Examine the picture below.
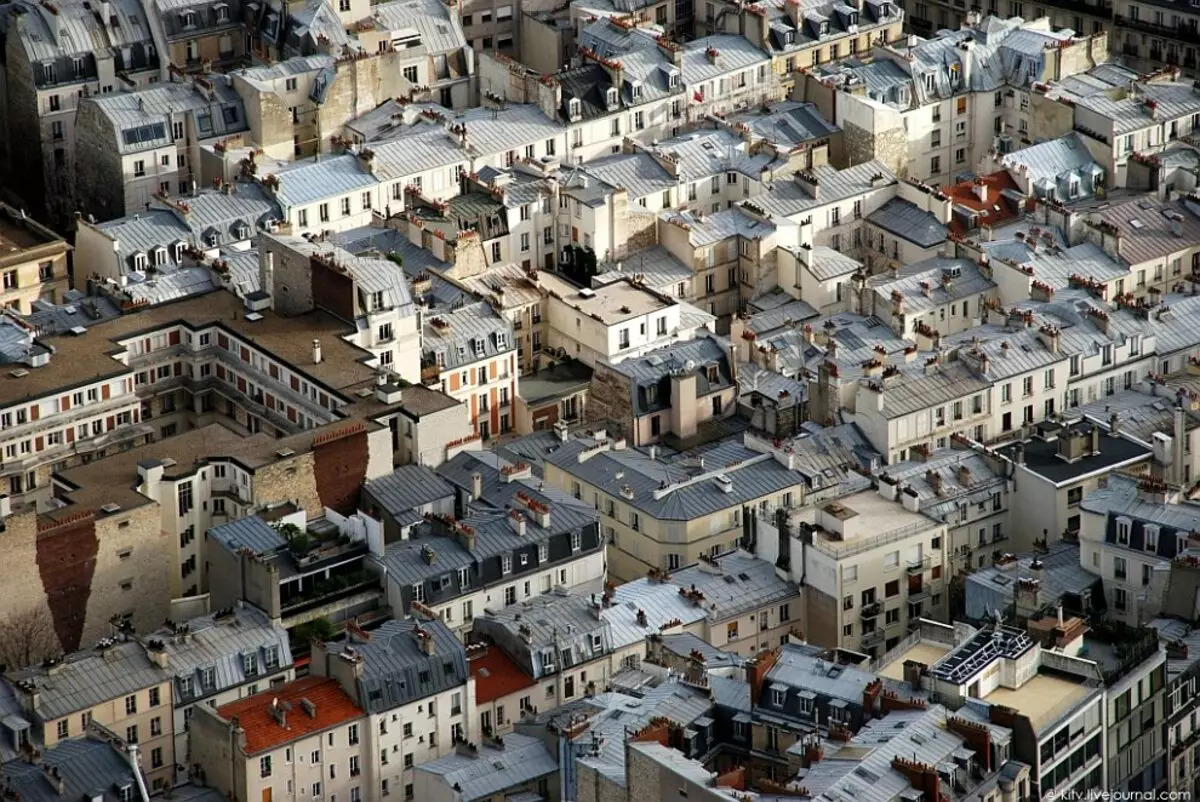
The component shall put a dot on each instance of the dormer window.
(1073, 187)
(673, 80)
(250, 663)
(212, 239)
(1150, 533)
(272, 657)
(501, 341)
(222, 12)
(479, 347)
(823, 28)
(242, 230)
(160, 256)
(139, 261)
(208, 676)
(852, 18)
(778, 695)
(611, 98)
(1123, 526)
(179, 246)
(573, 109)
(789, 37)
(635, 89)
(188, 19)
(930, 81)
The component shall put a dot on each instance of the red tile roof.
(496, 675)
(263, 731)
(964, 194)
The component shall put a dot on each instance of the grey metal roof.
(788, 124)
(1057, 165)
(305, 183)
(371, 275)
(1146, 230)
(248, 533)
(924, 284)
(993, 587)
(982, 481)
(1174, 101)
(660, 270)
(467, 334)
(72, 29)
(88, 678)
(685, 495)
(802, 667)
(408, 487)
(76, 310)
(142, 120)
(780, 389)
(638, 173)
(907, 220)
(1009, 352)
(89, 768)
(396, 669)
(686, 643)
(737, 583)
(220, 643)
(789, 199)
(915, 392)
(825, 263)
(708, 152)
(493, 771)
(1121, 497)
(710, 229)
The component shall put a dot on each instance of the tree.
(27, 638)
(321, 629)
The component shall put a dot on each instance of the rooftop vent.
(110, 508)
(253, 316)
(18, 373)
(284, 452)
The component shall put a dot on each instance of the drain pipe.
(132, 755)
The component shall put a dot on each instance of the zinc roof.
(1130, 113)
(1147, 233)
(437, 23)
(89, 678)
(905, 219)
(915, 392)
(924, 287)
(310, 182)
(407, 488)
(735, 584)
(251, 533)
(789, 199)
(489, 771)
(89, 769)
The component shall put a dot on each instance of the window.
(131, 734)
(1123, 531)
(935, 165)
(64, 727)
(506, 564)
(130, 704)
(264, 766)
(731, 630)
(155, 699)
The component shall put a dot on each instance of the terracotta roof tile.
(965, 195)
(496, 675)
(263, 732)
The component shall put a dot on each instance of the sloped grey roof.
(736, 584)
(396, 669)
(248, 533)
(906, 220)
(968, 282)
(1129, 114)
(88, 767)
(465, 327)
(493, 771)
(88, 678)
(221, 644)
(304, 183)
(408, 487)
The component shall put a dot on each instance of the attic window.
(930, 81)
(242, 230)
(611, 97)
(212, 238)
(501, 341)
(222, 12)
(160, 256)
(673, 80)
(636, 90)
(139, 261)
(573, 108)
(477, 344)
(789, 37)
(178, 251)
(188, 19)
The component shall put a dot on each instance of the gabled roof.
(89, 769)
(487, 771)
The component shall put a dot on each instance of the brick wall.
(340, 465)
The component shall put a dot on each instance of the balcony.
(919, 595)
(918, 566)
(1189, 34)
(871, 610)
(873, 638)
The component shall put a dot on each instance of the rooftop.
(485, 771)
(19, 232)
(84, 679)
(496, 675)
(1150, 228)
(988, 200)
(866, 519)
(735, 584)
(89, 768)
(328, 703)
(1043, 698)
(908, 221)
(609, 305)
(1041, 456)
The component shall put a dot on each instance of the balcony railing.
(1183, 33)
(918, 566)
(871, 610)
(873, 638)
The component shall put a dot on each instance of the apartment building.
(216, 659)
(76, 768)
(201, 38)
(970, 494)
(901, 233)
(469, 353)
(373, 294)
(1057, 468)
(412, 682)
(670, 395)
(114, 685)
(148, 143)
(1152, 33)
(618, 321)
(304, 738)
(169, 240)
(794, 694)
(53, 60)
(1130, 531)
(1146, 119)
(34, 265)
(940, 295)
(875, 564)
(662, 513)
(1061, 169)
(1029, 583)
(930, 110)
(1088, 17)
(502, 690)
(298, 569)
(1179, 702)
(467, 558)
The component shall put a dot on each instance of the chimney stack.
(316, 351)
(476, 486)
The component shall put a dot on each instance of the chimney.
(913, 673)
(316, 351)
(5, 506)
(425, 639)
(758, 670)
(1037, 569)
(1059, 609)
(977, 736)
(1095, 439)
(1177, 450)
(476, 486)
(1114, 424)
